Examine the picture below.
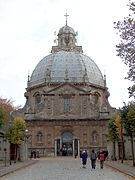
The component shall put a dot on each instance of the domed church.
(67, 106)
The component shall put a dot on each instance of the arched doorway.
(67, 144)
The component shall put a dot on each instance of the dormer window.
(37, 98)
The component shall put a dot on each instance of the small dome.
(66, 66)
(66, 29)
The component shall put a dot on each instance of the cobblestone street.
(64, 169)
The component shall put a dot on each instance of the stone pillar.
(60, 143)
(55, 142)
(73, 147)
(78, 148)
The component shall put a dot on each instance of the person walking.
(93, 158)
(84, 158)
(102, 159)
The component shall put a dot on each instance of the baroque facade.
(67, 106)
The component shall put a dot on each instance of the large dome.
(66, 63)
(65, 66)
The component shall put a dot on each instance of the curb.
(120, 170)
(7, 170)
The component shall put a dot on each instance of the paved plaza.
(64, 169)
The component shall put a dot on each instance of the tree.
(128, 118)
(1, 118)
(6, 106)
(126, 47)
(119, 127)
(132, 91)
(131, 117)
(16, 133)
(113, 135)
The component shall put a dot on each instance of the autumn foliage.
(6, 107)
(16, 132)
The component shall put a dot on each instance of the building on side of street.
(67, 106)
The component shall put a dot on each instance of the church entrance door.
(67, 144)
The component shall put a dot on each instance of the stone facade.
(67, 106)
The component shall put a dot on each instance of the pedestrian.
(76, 154)
(31, 154)
(34, 154)
(102, 159)
(37, 154)
(84, 158)
(80, 153)
(93, 158)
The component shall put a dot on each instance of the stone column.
(55, 153)
(73, 147)
(60, 143)
(78, 148)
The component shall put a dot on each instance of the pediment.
(66, 88)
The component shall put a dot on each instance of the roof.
(66, 66)
(66, 63)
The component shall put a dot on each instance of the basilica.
(67, 108)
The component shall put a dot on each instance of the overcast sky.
(27, 34)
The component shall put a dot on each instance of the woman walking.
(102, 159)
(93, 158)
(84, 158)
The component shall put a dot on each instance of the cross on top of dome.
(66, 15)
(66, 39)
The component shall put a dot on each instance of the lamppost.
(27, 135)
(5, 151)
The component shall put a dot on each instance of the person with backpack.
(93, 158)
(102, 159)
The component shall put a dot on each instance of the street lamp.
(5, 152)
(27, 135)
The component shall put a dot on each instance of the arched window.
(67, 137)
(39, 137)
(37, 98)
(95, 97)
(94, 137)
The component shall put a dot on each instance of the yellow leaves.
(19, 142)
(16, 131)
(113, 135)
(119, 125)
(19, 123)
